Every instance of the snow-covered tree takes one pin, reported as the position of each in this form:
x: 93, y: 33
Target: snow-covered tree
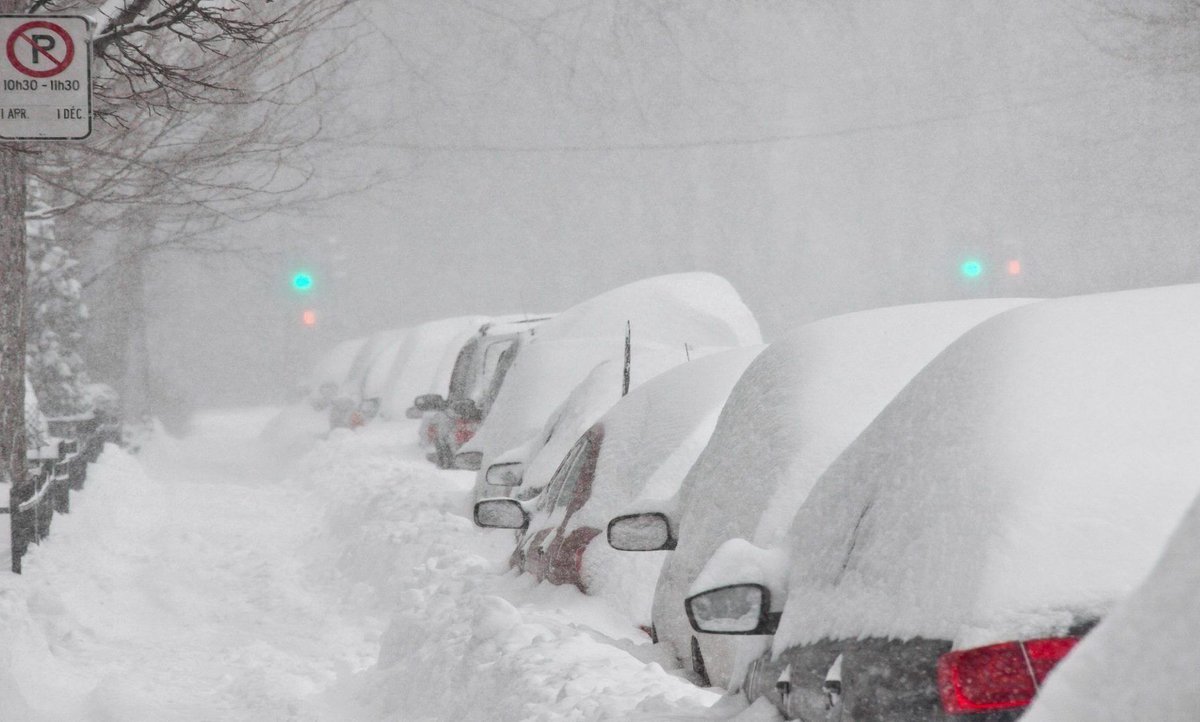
x: 54, y: 318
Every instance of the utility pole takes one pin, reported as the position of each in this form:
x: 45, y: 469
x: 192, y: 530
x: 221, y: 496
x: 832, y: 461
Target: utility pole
x: 12, y: 325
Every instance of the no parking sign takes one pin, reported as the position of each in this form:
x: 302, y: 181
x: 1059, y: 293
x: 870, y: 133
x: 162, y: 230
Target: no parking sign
x: 45, y: 77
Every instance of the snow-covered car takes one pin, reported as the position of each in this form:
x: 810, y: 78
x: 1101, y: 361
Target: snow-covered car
x: 347, y: 409
x: 321, y: 385
x: 643, y: 444
x: 523, y: 472
x: 800, y: 403
x: 692, y: 313
x: 423, y: 363
x: 1016, y: 489
x: 1140, y: 662
x: 477, y: 377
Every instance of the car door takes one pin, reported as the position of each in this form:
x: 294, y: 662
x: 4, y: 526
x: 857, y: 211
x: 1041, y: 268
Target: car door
x: 566, y: 545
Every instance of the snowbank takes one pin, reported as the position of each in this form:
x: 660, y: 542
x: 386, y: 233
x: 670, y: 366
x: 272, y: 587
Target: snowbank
x: 466, y: 640
x: 190, y: 584
x: 1027, y: 479
x: 60, y: 603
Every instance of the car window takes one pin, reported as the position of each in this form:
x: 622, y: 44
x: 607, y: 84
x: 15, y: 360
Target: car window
x: 460, y: 377
x: 492, y: 356
x: 503, y: 364
x: 571, y: 478
x: 548, y: 499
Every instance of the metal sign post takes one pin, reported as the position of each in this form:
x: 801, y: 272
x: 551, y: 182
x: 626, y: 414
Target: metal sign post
x: 45, y: 77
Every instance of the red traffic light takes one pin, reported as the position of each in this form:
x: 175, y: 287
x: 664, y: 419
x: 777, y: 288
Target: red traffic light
x: 309, y: 317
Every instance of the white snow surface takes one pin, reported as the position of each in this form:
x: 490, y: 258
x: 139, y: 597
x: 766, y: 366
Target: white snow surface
x: 701, y: 309
x: 1141, y: 661
x: 207, y: 579
x: 800, y: 403
x: 1026, y: 478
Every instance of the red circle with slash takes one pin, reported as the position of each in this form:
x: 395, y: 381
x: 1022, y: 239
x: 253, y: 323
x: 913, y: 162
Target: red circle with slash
x: 59, y: 61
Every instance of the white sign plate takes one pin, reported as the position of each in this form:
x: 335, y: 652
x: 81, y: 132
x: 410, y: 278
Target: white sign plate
x: 45, y: 77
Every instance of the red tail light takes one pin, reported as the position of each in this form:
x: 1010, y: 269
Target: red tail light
x: 463, y: 431
x: 1000, y: 676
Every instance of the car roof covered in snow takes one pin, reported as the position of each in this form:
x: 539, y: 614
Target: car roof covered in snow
x: 673, y: 315
x: 800, y: 403
x: 652, y: 436
x: 701, y: 309
x: 556, y: 389
x: 1025, y: 480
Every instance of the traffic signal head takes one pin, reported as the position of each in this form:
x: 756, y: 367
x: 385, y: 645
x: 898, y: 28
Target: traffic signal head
x: 302, y: 281
x: 971, y: 268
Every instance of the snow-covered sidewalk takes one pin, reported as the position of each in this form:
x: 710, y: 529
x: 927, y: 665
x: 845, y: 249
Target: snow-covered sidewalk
x: 205, y: 579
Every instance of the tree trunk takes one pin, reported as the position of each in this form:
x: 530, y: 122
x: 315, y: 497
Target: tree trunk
x: 12, y: 327
x: 12, y: 334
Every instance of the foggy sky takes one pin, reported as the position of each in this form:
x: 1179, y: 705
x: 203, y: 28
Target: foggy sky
x: 825, y: 157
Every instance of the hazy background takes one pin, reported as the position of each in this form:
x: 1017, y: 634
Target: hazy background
x: 824, y: 156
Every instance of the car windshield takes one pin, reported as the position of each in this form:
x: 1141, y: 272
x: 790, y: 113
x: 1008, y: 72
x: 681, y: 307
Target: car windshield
x: 460, y: 378
x: 564, y: 477
x: 497, y: 360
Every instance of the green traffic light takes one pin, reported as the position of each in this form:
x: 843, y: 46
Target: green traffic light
x: 971, y: 269
x: 302, y: 281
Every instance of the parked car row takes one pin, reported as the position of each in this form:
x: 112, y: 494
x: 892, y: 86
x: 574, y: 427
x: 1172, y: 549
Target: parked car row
x: 911, y: 513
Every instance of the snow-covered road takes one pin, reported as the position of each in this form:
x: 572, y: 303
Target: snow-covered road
x: 207, y: 579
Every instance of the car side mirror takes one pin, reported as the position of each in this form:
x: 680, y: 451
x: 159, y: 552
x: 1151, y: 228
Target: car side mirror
x: 508, y: 474
x: 412, y: 412
x: 466, y: 409
x: 646, y: 532
x: 501, y: 514
x: 734, y: 609
x: 369, y: 408
x: 469, y: 460
x: 429, y: 402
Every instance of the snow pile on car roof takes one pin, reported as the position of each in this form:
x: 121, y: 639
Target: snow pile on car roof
x: 1025, y: 480
x: 545, y: 374
x: 1141, y: 662
x: 677, y: 314
x: 701, y: 309
x: 590, y: 400
x: 796, y: 407
x: 644, y: 429
x: 466, y: 641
